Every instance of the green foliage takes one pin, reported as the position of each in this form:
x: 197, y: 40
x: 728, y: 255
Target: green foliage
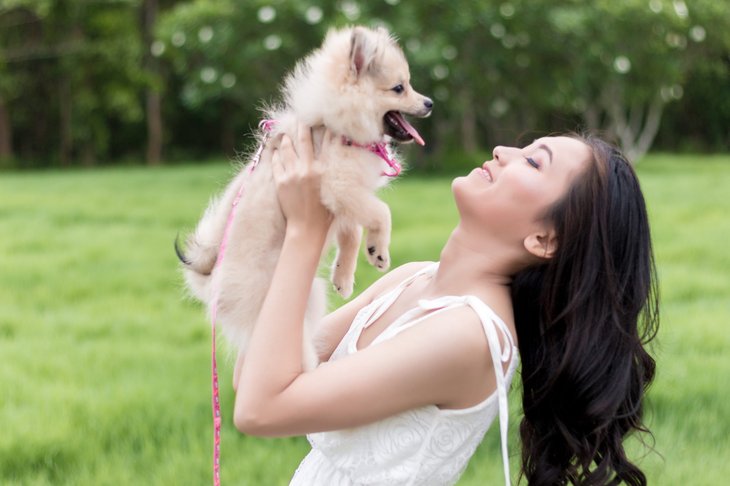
x: 71, y: 71
x: 218, y: 49
x: 105, y: 376
x: 74, y: 74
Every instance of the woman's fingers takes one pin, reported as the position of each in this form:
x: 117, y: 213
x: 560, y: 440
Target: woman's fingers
x: 299, y: 157
x: 277, y: 166
x: 304, y: 143
x: 327, y: 140
x: 288, y: 151
x: 298, y: 182
x: 286, y: 157
x: 266, y: 153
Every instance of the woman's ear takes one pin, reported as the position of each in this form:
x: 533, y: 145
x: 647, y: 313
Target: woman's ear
x: 542, y: 245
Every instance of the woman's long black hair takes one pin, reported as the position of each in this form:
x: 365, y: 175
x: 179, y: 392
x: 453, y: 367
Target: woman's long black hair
x: 583, y: 319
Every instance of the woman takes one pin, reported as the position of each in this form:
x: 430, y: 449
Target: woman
x: 551, y: 251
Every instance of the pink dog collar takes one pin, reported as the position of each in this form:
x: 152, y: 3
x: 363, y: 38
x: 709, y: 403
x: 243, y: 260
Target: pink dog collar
x: 381, y: 150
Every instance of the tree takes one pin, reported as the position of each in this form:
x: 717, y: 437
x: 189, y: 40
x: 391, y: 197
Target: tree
x: 90, y: 80
x: 228, y: 56
x: 630, y: 65
x: 153, y: 102
x: 603, y: 65
x: 20, y: 39
x: 70, y: 64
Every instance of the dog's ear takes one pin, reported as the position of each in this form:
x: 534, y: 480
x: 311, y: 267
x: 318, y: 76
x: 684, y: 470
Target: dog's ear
x: 362, y: 52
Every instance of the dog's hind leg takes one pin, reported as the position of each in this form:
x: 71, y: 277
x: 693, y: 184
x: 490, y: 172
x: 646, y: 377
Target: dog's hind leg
x: 365, y: 209
x: 343, y: 268
x: 374, y: 215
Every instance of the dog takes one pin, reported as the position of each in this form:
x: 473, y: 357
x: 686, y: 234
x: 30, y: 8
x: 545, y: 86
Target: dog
x: 357, y: 86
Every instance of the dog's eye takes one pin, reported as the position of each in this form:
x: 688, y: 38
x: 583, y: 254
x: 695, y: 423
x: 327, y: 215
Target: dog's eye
x: 398, y: 88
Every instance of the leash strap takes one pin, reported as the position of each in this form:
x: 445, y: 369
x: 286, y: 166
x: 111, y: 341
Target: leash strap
x: 265, y: 125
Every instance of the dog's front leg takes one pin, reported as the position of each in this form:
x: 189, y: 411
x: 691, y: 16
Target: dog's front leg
x: 374, y: 215
x: 343, y: 269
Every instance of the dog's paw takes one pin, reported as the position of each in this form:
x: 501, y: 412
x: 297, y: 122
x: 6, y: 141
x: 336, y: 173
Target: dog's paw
x: 378, y: 257
x: 343, y: 285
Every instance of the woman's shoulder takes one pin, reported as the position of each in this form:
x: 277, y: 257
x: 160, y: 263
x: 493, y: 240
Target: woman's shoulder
x: 410, y: 268
x: 406, y: 270
x: 395, y: 277
x: 498, y: 301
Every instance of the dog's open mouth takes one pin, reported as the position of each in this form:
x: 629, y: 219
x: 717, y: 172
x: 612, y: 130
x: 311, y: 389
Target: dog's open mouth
x: 397, y: 127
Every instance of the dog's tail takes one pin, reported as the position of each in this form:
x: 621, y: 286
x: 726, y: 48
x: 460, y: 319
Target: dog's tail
x: 201, y: 248
x: 180, y: 253
x: 198, y: 262
x: 196, y: 256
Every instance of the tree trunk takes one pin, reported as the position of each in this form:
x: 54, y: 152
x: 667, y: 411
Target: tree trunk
x: 88, y: 154
x: 591, y: 117
x: 228, y: 132
x: 468, y: 123
x: 153, y: 97
x: 651, y: 127
x: 6, y: 132
x: 65, y: 108
x: 634, y: 126
x: 154, y: 127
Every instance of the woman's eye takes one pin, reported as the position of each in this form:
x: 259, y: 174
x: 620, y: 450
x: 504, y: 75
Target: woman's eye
x: 532, y: 162
x: 398, y: 88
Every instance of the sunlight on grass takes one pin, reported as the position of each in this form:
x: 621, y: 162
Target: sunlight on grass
x: 105, y: 376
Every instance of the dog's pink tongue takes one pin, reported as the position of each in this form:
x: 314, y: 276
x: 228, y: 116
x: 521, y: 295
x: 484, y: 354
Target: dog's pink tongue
x: 409, y: 128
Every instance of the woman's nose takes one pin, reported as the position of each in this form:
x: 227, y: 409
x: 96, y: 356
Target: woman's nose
x: 503, y: 154
x: 499, y: 155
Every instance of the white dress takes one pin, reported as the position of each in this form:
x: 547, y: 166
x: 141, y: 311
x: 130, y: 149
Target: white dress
x: 423, y: 446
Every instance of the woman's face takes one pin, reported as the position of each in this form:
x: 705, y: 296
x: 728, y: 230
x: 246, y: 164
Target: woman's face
x: 510, y: 193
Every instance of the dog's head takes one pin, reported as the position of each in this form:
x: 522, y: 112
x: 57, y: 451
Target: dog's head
x: 358, y: 84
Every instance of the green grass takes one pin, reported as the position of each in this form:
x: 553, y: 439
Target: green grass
x: 105, y: 367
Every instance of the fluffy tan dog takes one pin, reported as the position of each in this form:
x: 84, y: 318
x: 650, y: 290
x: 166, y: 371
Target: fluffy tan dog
x: 357, y: 86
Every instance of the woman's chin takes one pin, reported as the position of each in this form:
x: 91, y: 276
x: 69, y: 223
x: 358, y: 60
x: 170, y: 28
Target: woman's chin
x: 461, y: 186
x: 473, y: 180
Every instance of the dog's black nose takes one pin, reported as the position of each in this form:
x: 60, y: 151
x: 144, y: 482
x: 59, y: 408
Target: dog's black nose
x: 428, y: 103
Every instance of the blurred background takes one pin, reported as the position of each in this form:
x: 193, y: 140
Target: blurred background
x: 120, y: 118
x: 86, y: 82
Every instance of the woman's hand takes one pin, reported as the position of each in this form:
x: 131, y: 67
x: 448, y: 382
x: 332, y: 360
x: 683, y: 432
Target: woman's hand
x: 298, y: 177
x: 274, y: 355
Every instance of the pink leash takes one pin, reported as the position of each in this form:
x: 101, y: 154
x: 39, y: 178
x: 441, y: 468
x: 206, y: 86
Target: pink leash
x: 266, y: 126
x: 378, y: 149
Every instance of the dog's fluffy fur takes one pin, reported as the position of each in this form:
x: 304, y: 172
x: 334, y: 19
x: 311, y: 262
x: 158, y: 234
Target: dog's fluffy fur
x: 348, y: 86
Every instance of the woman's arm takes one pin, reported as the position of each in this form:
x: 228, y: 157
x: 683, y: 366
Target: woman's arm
x: 435, y: 363
x: 274, y: 355
x: 334, y: 325
x: 442, y: 361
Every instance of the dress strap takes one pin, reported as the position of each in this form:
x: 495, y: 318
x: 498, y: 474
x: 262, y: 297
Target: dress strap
x: 491, y: 323
x: 382, y: 303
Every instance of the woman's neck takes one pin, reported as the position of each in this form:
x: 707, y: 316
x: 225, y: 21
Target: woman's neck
x: 466, y: 266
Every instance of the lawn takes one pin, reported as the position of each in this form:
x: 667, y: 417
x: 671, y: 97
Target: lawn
x: 105, y: 366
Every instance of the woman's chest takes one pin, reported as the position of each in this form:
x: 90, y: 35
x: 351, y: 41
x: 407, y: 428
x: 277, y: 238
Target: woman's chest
x: 384, y: 316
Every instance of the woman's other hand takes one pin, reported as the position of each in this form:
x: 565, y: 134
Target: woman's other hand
x: 298, y: 178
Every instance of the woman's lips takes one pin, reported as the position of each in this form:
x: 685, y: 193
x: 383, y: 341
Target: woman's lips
x: 485, y: 172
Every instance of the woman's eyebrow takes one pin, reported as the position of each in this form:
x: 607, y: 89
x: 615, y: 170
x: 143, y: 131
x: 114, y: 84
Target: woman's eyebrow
x: 546, y: 149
